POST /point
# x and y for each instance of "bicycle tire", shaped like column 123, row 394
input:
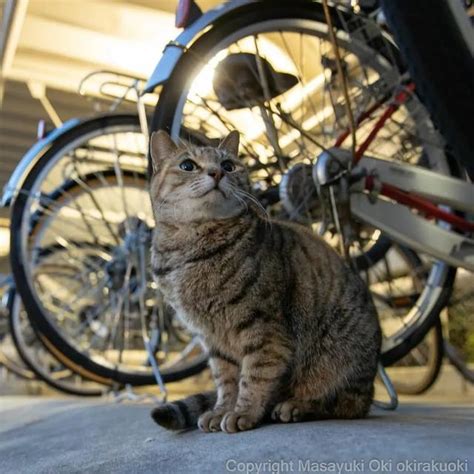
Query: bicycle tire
column 419, row 37
column 254, row 13
column 417, row 387
column 13, row 367
column 433, row 338
column 33, row 365
column 49, row 335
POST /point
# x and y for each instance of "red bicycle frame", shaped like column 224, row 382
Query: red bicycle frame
column 430, row 210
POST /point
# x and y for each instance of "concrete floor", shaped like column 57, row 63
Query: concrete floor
column 53, row 434
column 44, row 435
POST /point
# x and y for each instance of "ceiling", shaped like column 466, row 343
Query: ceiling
column 57, row 42
column 50, row 45
column 53, row 44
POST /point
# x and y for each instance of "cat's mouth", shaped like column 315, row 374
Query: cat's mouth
column 215, row 188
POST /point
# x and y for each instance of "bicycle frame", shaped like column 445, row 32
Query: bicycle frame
column 385, row 194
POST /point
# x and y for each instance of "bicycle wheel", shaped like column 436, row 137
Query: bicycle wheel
column 270, row 73
column 8, row 357
column 81, row 224
column 40, row 361
column 13, row 365
column 5, row 285
column 403, row 276
column 416, row 373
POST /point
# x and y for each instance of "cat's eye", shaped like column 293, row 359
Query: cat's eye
column 188, row 165
column 228, row 166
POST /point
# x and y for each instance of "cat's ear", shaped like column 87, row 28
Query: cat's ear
column 161, row 148
column 231, row 143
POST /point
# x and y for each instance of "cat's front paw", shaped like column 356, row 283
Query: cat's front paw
column 234, row 421
column 210, row 421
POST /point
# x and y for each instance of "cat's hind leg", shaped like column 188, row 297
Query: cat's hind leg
column 291, row 410
column 351, row 403
column 347, row 404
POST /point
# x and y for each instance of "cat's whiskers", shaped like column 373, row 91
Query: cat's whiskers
column 200, row 187
column 161, row 204
column 245, row 195
column 240, row 199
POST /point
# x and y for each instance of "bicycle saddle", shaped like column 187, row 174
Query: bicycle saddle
column 238, row 81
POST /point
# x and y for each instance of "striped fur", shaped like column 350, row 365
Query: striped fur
column 291, row 330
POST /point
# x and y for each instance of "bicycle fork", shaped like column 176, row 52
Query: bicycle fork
column 410, row 204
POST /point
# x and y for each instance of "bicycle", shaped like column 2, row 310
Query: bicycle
column 375, row 71
column 387, row 112
column 81, row 223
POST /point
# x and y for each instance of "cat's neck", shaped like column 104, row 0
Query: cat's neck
column 193, row 232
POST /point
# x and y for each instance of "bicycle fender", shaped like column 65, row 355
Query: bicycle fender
column 30, row 158
column 176, row 48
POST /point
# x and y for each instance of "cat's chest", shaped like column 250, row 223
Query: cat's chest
column 192, row 288
column 188, row 282
column 201, row 302
column 214, row 330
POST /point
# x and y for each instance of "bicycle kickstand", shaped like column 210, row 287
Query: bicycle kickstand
column 392, row 393
column 128, row 394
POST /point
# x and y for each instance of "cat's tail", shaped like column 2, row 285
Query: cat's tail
column 183, row 414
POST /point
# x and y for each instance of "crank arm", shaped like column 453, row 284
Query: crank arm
column 409, row 229
column 436, row 187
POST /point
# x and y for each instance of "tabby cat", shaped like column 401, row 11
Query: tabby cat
column 291, row 330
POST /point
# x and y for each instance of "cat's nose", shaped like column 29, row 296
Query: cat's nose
column 215, row 173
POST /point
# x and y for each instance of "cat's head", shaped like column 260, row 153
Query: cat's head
column 191, row 183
